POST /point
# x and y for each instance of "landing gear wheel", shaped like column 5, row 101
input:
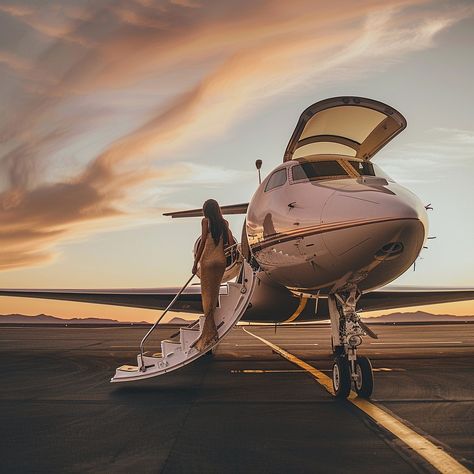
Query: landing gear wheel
column 341, row 377
column 364, row 383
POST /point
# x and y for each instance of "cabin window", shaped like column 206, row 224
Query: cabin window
column 317, row 170
column 277, row 179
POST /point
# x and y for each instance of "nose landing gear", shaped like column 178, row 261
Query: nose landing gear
column 346, row 332
column 341, row 377
column 364, row 381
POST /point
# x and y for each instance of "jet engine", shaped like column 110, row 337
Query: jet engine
column 233, row 264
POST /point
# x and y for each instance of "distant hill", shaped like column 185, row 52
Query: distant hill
column 416, row 317
column 177, row 320
column 46, row 319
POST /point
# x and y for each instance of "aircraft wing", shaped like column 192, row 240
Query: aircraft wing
column 400, row 298
column 149, row 298
column 190, row 300
column 230, row 209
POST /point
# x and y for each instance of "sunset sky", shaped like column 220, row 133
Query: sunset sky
column 113, row 112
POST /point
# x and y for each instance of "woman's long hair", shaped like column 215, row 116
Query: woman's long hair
column 217, row 223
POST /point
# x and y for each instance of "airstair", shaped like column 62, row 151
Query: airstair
column 179, row 350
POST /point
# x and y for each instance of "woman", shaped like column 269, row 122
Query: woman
column 215, row 237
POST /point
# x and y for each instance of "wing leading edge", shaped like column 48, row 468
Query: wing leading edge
column 393, row 298
column 190, row 300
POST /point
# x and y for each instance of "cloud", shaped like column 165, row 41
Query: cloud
column 16, row 10
column 440, row 152
column 205, row 66
column 33, row 221
column 456, row 136
column 14, row 62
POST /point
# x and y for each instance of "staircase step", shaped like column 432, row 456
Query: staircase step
column 201, row 322
column 128, row 368
column 150, row 359
column 187, row 337
column 169, row 348
column 228, row 302
column 232, row 295
column 152, row 354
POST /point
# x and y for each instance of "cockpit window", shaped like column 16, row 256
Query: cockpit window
column 317, row 170
column 364, row 168
column 278, row 178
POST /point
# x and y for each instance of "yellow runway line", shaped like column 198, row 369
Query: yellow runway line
column 298, row 310
column 435, row 455
column 323, row 379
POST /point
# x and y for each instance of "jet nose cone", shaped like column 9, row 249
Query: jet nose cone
column 406, row 208
column 368, row 219
column 402, row 205
column 361, row 203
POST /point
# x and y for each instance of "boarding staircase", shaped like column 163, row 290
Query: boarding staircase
column 179, row 350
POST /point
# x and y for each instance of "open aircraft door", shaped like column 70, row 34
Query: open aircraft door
column 351, row 126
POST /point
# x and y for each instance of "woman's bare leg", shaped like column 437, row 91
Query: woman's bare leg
column 209, row 332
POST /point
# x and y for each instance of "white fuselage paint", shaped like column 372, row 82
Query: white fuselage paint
column 327, row 235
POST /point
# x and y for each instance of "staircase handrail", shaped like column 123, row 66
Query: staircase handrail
column 228, row 249
column 142, row 343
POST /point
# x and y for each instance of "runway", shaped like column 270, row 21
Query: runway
column 246, row 409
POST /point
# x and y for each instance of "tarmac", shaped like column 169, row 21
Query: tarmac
column 246, row 409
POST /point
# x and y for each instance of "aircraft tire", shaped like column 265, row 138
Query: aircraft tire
column 341, row 377
column 364, row 385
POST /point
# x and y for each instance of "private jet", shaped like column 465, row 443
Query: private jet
column 323, row 235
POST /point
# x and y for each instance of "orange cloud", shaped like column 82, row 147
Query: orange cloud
column 229, row 60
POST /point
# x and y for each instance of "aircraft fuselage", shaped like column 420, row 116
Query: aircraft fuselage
column 320, row 235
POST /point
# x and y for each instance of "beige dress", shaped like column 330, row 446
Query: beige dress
column 213, row 264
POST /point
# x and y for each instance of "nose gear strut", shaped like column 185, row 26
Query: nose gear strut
column 347, row 331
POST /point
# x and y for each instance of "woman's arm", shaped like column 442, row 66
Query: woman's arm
column 204, row 232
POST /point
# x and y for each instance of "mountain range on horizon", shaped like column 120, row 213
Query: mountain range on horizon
column 417, row 316
column 47, row 319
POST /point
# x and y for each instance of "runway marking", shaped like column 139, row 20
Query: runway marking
column 435, row 455
column 414, row 342
column 256, row 345
column 126, row 347
column 374, row 369
column 387, row 369
column 261, row 371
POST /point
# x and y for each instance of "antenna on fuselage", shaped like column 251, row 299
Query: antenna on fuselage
column 258, row 164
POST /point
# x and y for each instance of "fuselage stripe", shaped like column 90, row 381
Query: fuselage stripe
column 318, row 229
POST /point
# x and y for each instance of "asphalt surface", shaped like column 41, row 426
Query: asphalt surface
column 243, row 410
